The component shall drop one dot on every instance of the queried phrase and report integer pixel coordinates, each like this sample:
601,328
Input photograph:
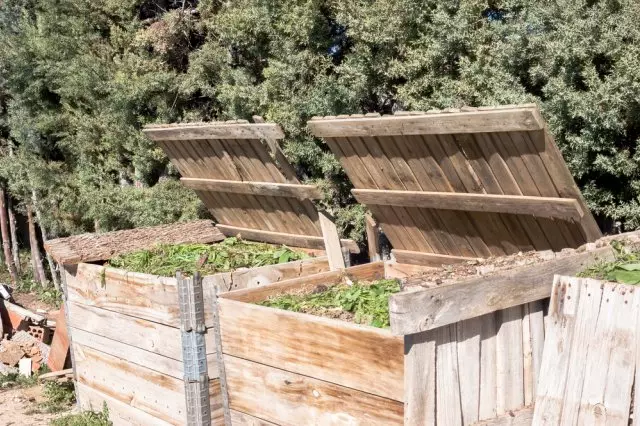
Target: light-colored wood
420,379
373,238
428,259
468,339
283,238
331,241
509,361
150,360
154,393
256,333
121,413
553,207
522,417
434,307
365,272
188,132
284,165
448,411
397,270
517,119
536,326
268,189
488,367
220,362
287,398
153,337
242,419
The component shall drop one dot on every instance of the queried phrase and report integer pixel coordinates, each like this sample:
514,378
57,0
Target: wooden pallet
455,185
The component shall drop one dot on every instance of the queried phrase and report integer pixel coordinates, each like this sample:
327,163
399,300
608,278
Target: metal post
194,350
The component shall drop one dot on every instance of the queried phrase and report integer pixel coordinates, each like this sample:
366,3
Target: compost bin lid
103,246
454,185
238,171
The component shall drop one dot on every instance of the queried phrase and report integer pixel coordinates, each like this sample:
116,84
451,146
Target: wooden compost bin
125,326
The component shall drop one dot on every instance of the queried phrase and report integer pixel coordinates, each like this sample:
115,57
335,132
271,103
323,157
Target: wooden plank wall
126,339
476,369
510,156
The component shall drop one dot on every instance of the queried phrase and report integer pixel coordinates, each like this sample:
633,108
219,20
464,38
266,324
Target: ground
20,407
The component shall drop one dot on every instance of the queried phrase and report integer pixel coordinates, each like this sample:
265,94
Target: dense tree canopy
78,79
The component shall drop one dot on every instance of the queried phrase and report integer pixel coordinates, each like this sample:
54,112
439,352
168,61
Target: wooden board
59,353
589,359
256,188
287,398
477,183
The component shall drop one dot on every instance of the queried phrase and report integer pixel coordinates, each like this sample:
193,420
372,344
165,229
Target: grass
361,302
230,254
26,284
86,418
625,268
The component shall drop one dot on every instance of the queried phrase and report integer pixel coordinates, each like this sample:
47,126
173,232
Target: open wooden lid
247,191
454,185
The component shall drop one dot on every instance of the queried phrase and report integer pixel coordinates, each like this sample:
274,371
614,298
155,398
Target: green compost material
225,256
625,269
361,302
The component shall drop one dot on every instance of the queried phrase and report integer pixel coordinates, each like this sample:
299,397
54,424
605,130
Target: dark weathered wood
187,132
435,307
428,259
565,208
292,240
517,119
257,188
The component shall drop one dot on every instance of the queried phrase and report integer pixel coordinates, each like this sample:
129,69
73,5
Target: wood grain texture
331,241
180,132
434,307
59,353
239,418
517,119
257,188
522,417
314,347
420,379
287,398
564,208
428,259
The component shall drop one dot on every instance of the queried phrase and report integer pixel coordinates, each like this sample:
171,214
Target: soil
20,406
30,301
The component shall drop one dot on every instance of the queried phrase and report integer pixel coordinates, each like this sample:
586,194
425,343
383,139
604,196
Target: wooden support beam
373,238
269,189
331,241
281,160
428,259
509,120
214,131
551,207
417,311
293,240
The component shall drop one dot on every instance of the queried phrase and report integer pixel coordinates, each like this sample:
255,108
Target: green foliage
367,301
17,380
227,255
624,269
86,418
58,397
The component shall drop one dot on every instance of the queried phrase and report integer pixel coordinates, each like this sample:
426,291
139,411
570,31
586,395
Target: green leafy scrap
366,301
228,255
625,268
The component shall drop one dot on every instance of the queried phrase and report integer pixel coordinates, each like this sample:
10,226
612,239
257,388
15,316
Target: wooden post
373,238
331,241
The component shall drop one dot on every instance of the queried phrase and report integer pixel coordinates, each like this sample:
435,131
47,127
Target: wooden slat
257,188
331,241
449,410
434,307
565,208
420,379
242,419
522,417
509,361
373,238
287,398
293,240
256,333
517,119
488,367
468,339
428,259
214,131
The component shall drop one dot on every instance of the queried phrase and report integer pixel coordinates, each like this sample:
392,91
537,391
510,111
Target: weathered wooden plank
517,119
428,259
536,326
522,417
153,337
157,394
239,418
565,208
287,398
468,339
331,241
293,240
448,411
121,413
373,238
420,379
488,367
153,361
509,361
269,189
434,307
182,132
257,333
366,272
